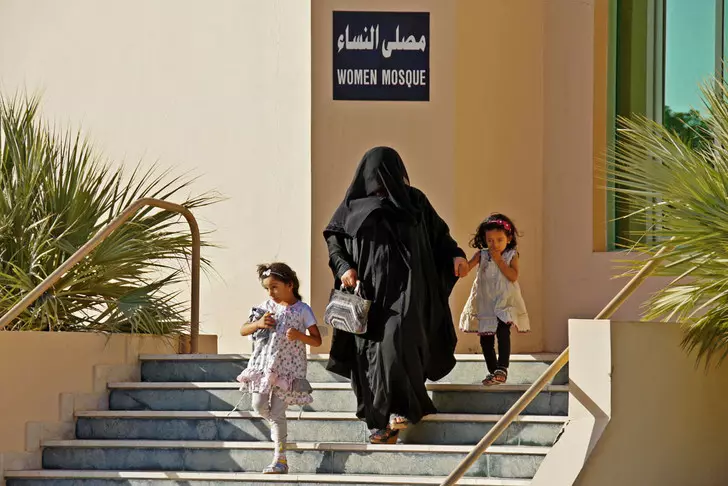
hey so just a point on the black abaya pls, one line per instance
(403, 253)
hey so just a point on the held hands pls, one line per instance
(461, 267)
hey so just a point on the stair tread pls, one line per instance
(536, 357)
(438, 417)
(231, 385)
(240, 476)
(293, 446)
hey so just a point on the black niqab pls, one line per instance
(380, 183)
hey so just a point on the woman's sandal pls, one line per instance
(384, 436)
(398, 422)
(498, 377)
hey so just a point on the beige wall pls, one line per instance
(240, 92)
(423, 133)
(499, 140)
(38, 366)
(450, 145)
(220, 88)
(517, 87)
(666, 424)
(576, 279)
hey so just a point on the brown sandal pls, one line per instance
(384, 436)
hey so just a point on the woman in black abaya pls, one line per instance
(387, 235)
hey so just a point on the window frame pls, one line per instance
(647, 40)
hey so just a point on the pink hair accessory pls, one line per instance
(505, 224)
(500, 222)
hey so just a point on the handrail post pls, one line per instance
(100, 236)
(195, 271)
(537, 386)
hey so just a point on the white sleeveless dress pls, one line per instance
(498, 298)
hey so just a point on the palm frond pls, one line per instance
(55, 194)
(676, 188)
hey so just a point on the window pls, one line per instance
(663, 51)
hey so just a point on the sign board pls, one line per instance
(381, 56)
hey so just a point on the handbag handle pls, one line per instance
(356, 290)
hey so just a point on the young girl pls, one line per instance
(276, 373)
(498, 297)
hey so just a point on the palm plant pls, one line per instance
(55, 194)
(678, 193)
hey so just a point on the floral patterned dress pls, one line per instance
(277, 364)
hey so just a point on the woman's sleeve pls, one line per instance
(339, 259)
(443, 244)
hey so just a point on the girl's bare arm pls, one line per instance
(510, 271)
(473, 262)
(312, 338)
(265, 322)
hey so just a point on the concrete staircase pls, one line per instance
(175, 427)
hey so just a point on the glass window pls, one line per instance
(690, 57)
(664, 51)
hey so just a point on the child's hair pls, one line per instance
(282, 272)
(495, 221)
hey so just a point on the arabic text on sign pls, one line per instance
(371, 42)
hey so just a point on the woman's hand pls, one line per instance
(350, 278)
(461, 267)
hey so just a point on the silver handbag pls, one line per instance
(348, 310)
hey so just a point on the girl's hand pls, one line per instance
(293, 334)
(350, 278)
(266, 322)
(461, 267)
(495, 255)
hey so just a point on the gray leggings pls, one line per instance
(272, 408)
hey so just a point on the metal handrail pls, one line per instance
(100, 236)
(546, 376)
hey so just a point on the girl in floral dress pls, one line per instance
(280, 327)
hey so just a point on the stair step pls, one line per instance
(470, 368)
(342, 458)
(453, 429)
(167, 478)
(330, 397)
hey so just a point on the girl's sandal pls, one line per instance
(498, 377)
(489, 380)
(279, 467)
(398, 422)
(384, 436)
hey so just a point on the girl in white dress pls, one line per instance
(496, 296)
(276, 372)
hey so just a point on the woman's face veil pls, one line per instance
(382, 174)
